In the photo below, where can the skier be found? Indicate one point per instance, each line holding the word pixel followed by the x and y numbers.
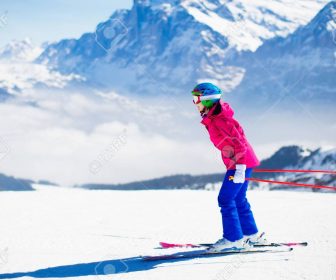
pixel 239 227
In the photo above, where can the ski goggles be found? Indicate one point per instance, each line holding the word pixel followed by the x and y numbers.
pixel 198 98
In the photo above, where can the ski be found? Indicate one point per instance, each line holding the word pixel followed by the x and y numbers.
pixel 166 245
pixel 205 253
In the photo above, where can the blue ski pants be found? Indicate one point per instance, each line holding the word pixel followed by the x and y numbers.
pixel 237 217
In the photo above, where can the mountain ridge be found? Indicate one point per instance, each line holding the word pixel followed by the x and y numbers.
pixel 301 65
pixel 157 43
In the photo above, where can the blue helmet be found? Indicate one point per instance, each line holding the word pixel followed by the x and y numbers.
pixel 208 94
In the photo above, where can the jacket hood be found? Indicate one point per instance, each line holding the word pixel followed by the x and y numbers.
pixel 226 111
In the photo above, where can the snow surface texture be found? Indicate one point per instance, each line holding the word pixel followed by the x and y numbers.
pixel 76 234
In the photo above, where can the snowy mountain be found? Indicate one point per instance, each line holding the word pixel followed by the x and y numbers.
pixel 285 157
pixel 294 157
pixel 168 182
pixel 289 157
pixel 10 183
pixel 20 51
pixel 19 72
pixel 157 43
pixel 301 65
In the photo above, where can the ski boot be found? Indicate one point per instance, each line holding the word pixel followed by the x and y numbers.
pixel 223 245
pixel 256 239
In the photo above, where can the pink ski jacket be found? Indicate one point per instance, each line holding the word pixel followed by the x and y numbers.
pixel 228 136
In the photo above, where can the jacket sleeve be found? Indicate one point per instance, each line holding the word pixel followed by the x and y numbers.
pixel 232 143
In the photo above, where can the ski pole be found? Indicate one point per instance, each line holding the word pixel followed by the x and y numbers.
pixel 292 184
pixel 294 171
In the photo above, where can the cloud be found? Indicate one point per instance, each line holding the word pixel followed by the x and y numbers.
pixel 80 137
pixel 61 135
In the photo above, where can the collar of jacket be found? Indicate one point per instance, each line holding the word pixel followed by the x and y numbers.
pixel 207 119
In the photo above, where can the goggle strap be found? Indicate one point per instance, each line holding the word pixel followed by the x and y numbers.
pixel 210 97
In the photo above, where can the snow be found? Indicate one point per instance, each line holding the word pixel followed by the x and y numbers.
pixel 232 30
pixel 23 50
pixel 253 22
pixel 78 234
pixel 159 42
pixel 166 7
pixel 19 72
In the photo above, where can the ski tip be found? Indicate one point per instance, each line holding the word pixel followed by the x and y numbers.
pixel 166 245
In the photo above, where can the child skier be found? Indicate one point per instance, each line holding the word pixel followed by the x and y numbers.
pixel 239 227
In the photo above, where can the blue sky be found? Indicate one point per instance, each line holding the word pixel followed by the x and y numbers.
pixel 43 20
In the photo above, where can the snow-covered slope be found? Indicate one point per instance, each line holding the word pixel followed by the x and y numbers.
pixel 78 234
pixel 247 24
pixel 302 65
pixel 157 43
